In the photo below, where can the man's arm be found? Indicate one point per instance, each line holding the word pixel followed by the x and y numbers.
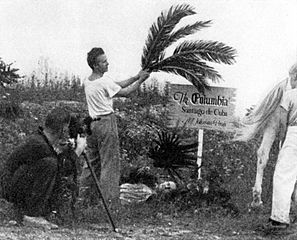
pixel 283 124
pixel 124 92
pixel 129 81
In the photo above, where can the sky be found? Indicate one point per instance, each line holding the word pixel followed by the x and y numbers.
pixel 262 31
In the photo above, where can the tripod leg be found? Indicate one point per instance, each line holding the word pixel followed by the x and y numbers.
pixel 100 192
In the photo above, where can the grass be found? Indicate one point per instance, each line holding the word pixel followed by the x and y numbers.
pixel 235 164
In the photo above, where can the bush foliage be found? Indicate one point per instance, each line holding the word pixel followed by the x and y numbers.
pixel 226 165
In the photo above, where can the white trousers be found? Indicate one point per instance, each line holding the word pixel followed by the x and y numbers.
pixel 284 178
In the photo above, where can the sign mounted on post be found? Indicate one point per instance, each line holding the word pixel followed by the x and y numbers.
pixel 212 110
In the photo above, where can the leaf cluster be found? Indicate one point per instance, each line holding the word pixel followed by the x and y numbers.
pixel 188 59
pixel 8 75
pixel 169 153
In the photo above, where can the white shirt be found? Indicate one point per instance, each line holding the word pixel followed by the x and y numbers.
pixel 99 93
pixel 288 86
pixel 289 103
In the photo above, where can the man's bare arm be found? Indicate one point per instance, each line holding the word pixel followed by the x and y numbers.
pixel 125 92
pixel 127 82
pixel 283 124
pixel 141 75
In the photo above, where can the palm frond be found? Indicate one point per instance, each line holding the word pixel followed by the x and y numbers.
pixel 169 153
pixel 182 32
pixel 189 67
pixel 212 51
pixel 160 31
pixel 188 59
pixel 189 62
pixel 188 147
pixel 187 30
pixel 196 79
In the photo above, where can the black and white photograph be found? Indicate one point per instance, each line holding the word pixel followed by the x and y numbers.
pixel 148 119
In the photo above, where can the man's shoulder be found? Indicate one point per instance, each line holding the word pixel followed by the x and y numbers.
pixel 107 82
pixel 291 94
pixel 105 79
pixel 291 91
pixel 34 139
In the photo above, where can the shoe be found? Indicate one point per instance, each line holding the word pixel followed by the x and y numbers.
pixel 55 218
pixel 273 226
pixel 38 222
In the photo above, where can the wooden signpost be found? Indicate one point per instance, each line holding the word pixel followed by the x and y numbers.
pixel 199 152
pixel 212 110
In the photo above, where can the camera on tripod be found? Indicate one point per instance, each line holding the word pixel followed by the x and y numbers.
pixel 67 158
pixel 78 125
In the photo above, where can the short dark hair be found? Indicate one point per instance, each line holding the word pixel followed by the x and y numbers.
pixel 56 119
pixel 92 55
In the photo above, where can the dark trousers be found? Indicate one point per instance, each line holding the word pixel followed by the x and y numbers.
pixel 32 187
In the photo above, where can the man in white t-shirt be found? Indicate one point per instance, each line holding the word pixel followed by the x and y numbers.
pixel 285 174
pixel 103 144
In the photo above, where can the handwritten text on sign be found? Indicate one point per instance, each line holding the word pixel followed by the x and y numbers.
pixel 212 110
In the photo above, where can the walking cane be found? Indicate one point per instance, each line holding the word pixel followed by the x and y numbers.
pixel 99 191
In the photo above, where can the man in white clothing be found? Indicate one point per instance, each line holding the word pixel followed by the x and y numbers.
pixel 103 144
pixel 285 174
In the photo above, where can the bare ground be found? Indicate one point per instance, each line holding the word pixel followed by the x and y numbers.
pixel 177 228
pixel 136 223
pixel 125 232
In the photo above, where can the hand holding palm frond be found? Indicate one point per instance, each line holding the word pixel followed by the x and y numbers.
pixel 188 59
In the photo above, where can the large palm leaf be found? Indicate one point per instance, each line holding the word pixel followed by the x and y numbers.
pixel 188 59
pixel 169 153
pixel 160 31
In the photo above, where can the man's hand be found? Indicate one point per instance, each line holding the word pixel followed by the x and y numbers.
pixel 143 75
pixel 81 144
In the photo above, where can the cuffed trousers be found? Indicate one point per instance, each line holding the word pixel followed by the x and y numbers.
pixel 285 176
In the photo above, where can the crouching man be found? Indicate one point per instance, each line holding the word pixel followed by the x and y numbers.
pixel 31 172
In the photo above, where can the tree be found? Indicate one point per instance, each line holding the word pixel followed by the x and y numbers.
pixel 8 75
pixel 188 59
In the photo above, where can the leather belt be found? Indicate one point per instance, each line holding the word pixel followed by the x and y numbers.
pixel 98 117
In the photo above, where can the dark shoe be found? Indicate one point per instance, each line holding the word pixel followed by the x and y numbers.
pixel 55 217
pixel 272 227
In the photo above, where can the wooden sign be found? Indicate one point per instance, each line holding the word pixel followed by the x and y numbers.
pixel 212 110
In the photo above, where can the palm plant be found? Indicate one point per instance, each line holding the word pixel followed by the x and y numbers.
pixel 8 75
pixel 169 153
pixel 188 58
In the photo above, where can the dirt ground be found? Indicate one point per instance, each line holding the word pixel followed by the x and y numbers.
pixel 138 223
pixel 125 232
pixel 171 229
